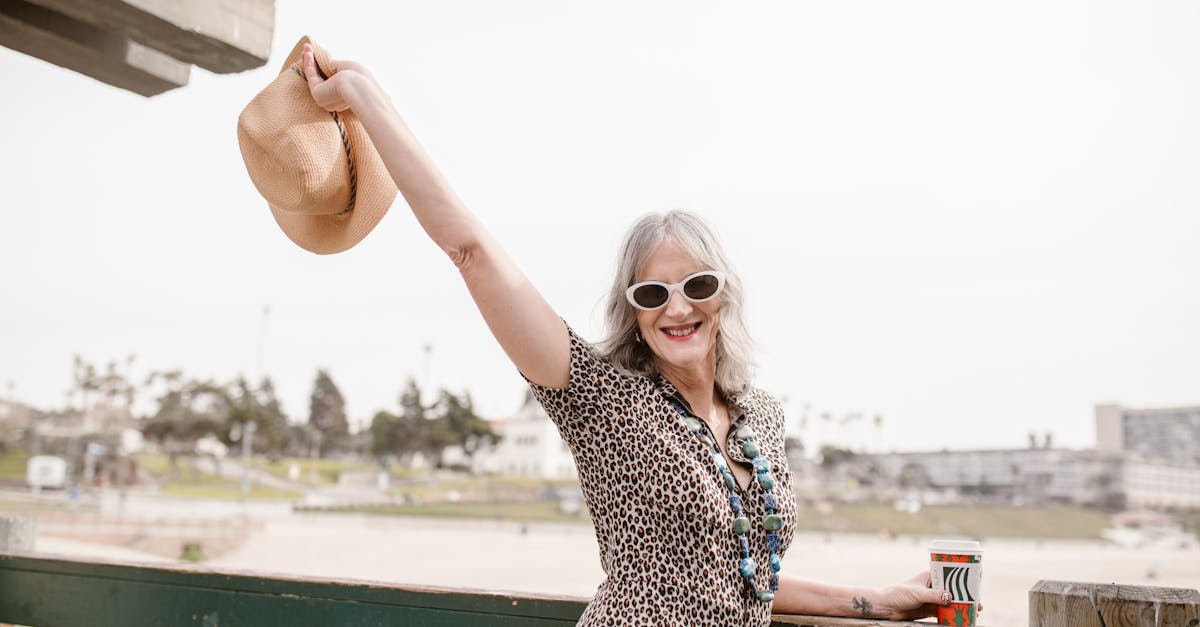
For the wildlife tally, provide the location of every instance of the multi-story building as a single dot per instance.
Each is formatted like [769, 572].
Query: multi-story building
[1037, 475]
[529, 446]
[1168, 434]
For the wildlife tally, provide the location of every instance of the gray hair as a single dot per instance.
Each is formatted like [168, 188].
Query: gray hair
[734, 359]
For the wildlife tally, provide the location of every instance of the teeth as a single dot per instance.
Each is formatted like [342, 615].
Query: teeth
[680, 332]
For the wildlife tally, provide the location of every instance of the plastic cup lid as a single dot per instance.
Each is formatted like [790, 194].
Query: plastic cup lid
[963, 547]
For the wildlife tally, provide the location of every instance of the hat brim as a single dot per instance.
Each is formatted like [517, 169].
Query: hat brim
[376, 191]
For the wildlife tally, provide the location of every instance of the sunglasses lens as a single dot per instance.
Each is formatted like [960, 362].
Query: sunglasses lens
[701, 287]
[650, 296]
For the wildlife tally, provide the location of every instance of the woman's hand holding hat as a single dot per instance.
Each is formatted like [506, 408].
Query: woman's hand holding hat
[347, 83]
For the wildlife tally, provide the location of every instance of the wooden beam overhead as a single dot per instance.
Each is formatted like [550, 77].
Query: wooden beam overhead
[222, 36]
[88, 49]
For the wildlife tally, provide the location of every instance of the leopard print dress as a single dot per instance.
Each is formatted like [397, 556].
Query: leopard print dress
[662, 516]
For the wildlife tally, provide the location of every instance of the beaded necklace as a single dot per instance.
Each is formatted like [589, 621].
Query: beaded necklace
[772, 522]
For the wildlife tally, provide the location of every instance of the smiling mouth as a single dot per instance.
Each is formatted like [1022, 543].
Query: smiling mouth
[681, 332]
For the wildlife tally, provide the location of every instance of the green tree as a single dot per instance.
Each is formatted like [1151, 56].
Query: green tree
[386, 434]
[327, 414]
[834, 456]
[459, 425]
[260, 406]
[187, 410]
[418, 431]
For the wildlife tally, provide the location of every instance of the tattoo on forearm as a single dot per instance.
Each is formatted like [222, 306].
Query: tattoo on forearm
[862, 605]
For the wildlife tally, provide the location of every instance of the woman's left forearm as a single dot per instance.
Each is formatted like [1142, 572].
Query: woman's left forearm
[802, 596]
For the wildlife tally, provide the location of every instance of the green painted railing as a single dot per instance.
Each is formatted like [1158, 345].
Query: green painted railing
[43, 591]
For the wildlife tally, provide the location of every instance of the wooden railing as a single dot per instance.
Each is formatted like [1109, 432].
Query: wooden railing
[39, 590]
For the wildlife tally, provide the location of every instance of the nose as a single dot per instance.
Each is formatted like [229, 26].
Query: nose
[677, 305]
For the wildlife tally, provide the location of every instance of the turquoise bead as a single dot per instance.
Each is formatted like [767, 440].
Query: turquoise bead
[741, 525]
[772, 522]
[693, 425]
[744, 432]
[750, 449]
[776, 563]
[707, 439]
[761, 465]
[766, 596]
[730, 482]
[719, 460]
[747, 567]
[766, 481]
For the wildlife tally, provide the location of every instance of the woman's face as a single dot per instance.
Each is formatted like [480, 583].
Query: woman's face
[683, 334]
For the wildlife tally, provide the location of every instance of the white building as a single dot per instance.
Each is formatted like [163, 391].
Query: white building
[1040, 475]
[529, 446]
[1154, 484]
[1170, 434]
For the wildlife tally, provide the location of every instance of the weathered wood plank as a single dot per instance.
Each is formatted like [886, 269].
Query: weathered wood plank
[221, 36]
[84, 48]
[1069, 604]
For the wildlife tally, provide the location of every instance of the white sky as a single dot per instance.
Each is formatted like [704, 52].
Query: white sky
[974, 220]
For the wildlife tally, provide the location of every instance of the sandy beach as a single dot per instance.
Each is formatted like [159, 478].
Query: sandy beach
[563, 559]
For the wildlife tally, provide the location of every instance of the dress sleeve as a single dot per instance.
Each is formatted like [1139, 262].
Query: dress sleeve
[591, 402]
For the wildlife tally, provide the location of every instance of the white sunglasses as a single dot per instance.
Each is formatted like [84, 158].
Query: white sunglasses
[698, 287]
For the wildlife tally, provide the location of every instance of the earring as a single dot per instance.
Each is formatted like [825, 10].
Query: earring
[638, 335]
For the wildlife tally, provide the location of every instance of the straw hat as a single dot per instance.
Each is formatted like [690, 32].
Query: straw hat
[318, 171]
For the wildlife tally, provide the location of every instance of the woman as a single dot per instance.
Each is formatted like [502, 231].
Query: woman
[680, 459]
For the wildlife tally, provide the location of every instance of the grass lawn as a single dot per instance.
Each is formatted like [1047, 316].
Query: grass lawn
[540, 511]
[12, 464]
[974, 521]
[327, 469]
[189, 482]
[500, 489]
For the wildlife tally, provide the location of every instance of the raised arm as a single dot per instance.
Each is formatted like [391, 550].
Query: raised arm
[528, 329]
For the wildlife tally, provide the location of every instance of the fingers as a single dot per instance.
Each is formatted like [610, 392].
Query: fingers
[309, 65]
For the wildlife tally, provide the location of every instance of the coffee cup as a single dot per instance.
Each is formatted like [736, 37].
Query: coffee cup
[956, 567]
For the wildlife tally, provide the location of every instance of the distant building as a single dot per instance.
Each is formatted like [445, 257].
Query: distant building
[1169, 434]
[529, 446]
[1034, 476]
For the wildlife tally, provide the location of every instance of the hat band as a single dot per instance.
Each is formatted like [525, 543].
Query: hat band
[346, 143]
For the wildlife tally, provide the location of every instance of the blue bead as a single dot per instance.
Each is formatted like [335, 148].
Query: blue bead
[774, 582]
[750, 449]
[735, 502]
[746, 567]
[766, 597]
[741, 525]
[762, 465]
[772, 522]
[770, 501]
[745, 545]
[772, 542]
[776, 563]
[744, 432]
[707, 439]
[719, 460]
[766, 481]
[730, 482]
[693, 425]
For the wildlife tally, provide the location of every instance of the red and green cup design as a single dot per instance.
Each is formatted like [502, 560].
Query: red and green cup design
[955, 566]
